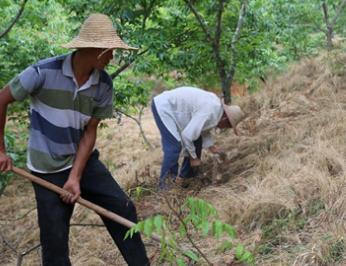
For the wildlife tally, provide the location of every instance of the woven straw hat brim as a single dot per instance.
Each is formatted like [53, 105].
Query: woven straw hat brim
[234, 115]
[78, 43]
[97, 31]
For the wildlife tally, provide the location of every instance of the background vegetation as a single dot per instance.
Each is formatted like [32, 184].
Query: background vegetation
[197, 41]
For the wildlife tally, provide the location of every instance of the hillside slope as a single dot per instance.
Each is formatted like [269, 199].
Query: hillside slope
[281, 183]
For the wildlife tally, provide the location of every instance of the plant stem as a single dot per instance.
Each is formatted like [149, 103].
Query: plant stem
[189, 237]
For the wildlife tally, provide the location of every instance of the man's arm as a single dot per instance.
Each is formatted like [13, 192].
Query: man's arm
[5, 99]
[192, 132]
[85, 148]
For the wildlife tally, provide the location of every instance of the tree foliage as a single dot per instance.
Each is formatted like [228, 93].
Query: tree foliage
[15, 19]
[171, 38]
[38, 34]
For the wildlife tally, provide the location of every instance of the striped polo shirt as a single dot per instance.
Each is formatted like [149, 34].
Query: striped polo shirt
[59, 110]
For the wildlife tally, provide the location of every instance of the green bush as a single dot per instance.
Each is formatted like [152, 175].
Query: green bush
[197, 218]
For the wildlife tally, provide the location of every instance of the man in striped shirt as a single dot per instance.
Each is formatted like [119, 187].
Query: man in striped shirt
[69, 96]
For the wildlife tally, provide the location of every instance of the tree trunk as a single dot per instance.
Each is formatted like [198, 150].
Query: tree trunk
[329, 35]
[227, 81]
[226, 89]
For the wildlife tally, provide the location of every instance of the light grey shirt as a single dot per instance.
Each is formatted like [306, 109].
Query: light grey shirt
[189, 113]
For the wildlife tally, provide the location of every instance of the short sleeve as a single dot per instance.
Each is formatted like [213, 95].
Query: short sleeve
[104, 105]
[26, 83]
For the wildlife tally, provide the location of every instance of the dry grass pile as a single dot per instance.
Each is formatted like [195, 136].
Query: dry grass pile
[290, 204]
[281, 183]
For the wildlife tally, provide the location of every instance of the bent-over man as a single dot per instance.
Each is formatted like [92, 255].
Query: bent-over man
[185, 117]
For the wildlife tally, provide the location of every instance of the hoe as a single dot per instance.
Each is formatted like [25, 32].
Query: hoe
[99, 210]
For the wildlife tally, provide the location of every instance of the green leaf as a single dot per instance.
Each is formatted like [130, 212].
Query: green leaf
[205, 227]
[182, 230]
[130, 232]
[127, 234]
[180, 262]
[140, 226]
[229, 230]
[191, 255]
[247, 257]
[217, 228]
[148, 227]
[158, 222]
[239, 251]
[195, 219]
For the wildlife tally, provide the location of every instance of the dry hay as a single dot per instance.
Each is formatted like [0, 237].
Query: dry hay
[281, 183]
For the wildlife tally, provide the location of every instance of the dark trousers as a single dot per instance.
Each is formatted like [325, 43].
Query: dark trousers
[99, 187]
[171, 150]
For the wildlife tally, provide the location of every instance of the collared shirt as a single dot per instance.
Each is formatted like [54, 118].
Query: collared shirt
[189, 113]
[59, 110]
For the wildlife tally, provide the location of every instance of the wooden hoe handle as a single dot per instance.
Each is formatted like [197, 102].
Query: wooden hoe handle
[99, 210]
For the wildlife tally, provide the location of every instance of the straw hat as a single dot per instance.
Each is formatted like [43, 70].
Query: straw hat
[97, 31]
[234, 115]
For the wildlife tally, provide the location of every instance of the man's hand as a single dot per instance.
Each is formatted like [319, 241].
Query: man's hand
[73, 187]
[5, 162]
[215, 150]
[195, 162]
